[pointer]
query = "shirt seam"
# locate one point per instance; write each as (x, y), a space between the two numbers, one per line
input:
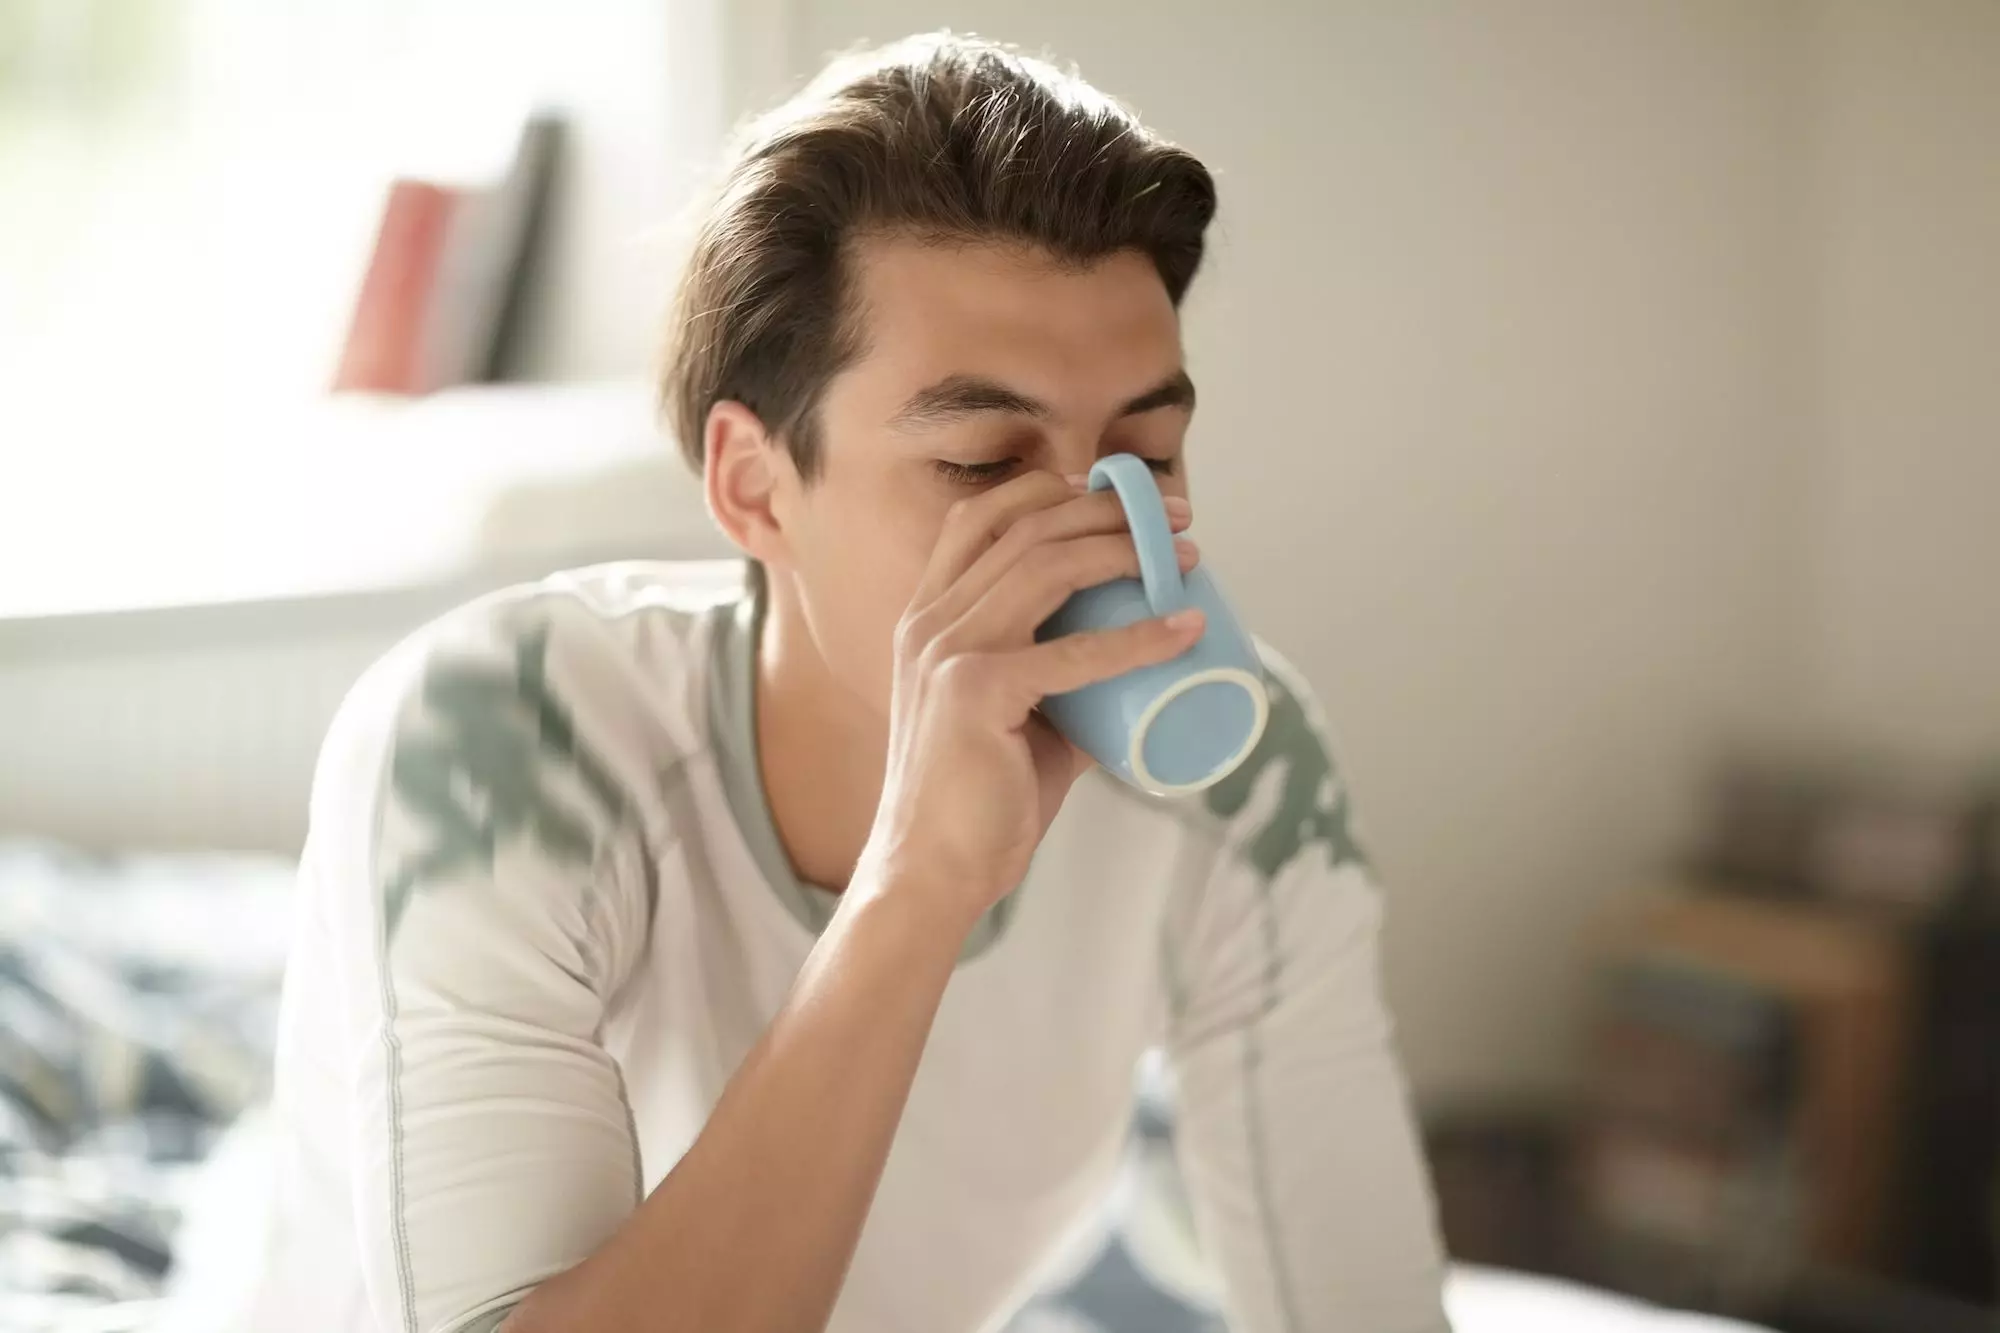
(1253, 1117)
(393, 1052)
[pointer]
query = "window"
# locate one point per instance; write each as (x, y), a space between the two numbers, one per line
(188, 193)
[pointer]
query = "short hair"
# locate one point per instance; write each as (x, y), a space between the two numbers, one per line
(938, 137)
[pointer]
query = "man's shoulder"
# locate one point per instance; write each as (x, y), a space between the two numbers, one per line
(651, 604)
(609, 657)
(545, 718)
(647, 616)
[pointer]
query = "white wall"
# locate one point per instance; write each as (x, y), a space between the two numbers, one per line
(1500, 399)
(1905, 629)
(1629, 375)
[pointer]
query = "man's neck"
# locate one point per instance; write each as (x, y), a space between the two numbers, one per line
(820, 751)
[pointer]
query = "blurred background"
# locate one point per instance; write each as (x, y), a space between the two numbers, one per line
(1601, 405)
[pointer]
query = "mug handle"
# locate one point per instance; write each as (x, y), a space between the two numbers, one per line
(1146, 513)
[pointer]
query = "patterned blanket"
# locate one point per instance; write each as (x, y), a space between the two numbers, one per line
(137, 1003)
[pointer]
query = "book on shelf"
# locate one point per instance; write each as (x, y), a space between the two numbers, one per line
(441, 299)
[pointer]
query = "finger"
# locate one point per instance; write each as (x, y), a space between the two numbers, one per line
(1042, 580)
(971, 525)
(1077, 660)
(1098, 512)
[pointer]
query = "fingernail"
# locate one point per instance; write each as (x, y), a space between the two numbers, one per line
(1179, 508)
(1187, 550)
(1078, 480)
(1183, 620)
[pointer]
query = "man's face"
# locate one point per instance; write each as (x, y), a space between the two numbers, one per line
(978, 363)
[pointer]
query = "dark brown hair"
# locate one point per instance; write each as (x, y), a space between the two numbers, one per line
(938, 137)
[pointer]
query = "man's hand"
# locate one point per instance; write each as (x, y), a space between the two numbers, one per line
(975, 774)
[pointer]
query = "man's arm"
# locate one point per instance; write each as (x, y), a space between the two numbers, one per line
(1295, 1129)
(755, 1226)
(493, 871)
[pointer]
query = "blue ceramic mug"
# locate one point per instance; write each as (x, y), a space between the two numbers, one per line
(1181, 725)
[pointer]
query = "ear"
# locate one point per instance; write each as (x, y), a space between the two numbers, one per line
(743, 469)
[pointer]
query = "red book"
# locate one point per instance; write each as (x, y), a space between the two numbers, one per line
(384, 352)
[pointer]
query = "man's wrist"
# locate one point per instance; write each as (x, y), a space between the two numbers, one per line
(908, 903)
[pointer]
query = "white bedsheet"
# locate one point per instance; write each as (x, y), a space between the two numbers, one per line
(1492, 1300)
(230, 1206)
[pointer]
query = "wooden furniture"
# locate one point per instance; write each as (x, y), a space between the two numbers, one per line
(1841, 982)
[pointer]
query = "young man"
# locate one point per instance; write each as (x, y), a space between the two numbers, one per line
(759, 959)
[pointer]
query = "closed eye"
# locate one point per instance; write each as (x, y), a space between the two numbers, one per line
(976, 474)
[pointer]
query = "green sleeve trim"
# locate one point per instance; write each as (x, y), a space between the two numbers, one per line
(483, 766)
(1312, 806)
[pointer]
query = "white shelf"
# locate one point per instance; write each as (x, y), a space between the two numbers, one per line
(349, 495)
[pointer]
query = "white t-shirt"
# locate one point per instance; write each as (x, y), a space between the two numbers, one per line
(545, 913)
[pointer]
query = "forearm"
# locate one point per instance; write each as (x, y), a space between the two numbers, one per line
(753, 1230)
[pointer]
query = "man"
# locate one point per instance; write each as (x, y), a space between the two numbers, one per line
(760, 959)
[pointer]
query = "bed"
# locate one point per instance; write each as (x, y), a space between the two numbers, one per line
(133, 1033)
(134, 1047)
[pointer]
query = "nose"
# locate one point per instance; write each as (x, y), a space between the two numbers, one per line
(1076, 461)
(1074, 458)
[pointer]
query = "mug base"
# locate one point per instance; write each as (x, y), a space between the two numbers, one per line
(1160, 777)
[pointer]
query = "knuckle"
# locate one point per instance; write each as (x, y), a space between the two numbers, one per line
(912, 634)
(963, 673)
(935, 655)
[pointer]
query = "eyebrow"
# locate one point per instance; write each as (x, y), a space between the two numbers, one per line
(958, 396)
